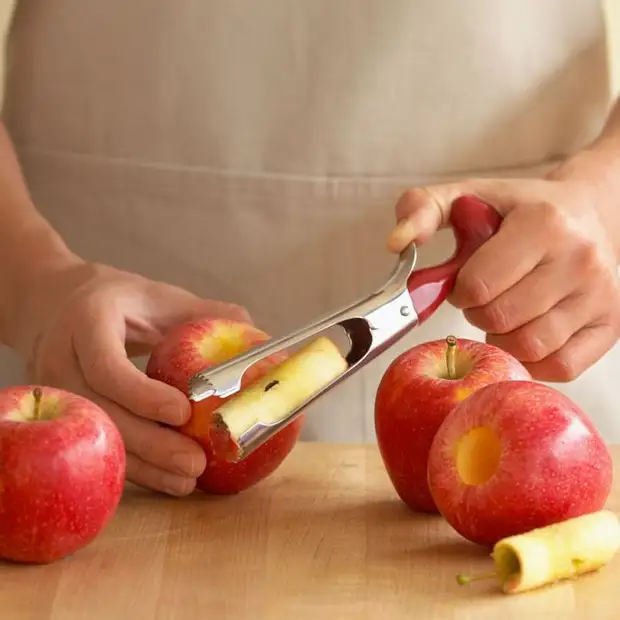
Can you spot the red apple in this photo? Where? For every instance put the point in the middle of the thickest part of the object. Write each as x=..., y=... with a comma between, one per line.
x=62, y=469
x=415, y=394
x=516, y=456
x=193, y=346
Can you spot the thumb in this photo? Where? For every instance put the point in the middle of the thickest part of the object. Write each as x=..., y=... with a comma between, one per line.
x=421, y=212
x=167, y=306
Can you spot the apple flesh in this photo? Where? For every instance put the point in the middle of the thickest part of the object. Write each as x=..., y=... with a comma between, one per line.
x=271, y=399
x=516, y=456
x=416, y=393
x=193, y=346
x=61, y=476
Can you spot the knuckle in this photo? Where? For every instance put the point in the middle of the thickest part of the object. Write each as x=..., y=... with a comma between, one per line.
x=551, y=218
x=475, y=289
x=497, y=319
x=240, y=313
x=144, y=446
x=532, y=347
x=414, y=195
x=491, y=318
x=409, y=201
x=565, y=368
x=588, y=256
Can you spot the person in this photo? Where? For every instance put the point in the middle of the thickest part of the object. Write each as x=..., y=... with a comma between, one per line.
x=161, y=161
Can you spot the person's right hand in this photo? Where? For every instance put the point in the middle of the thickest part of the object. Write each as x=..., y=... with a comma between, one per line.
x=78, y=329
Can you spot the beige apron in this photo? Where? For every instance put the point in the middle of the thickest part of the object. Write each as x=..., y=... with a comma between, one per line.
x=253, y=151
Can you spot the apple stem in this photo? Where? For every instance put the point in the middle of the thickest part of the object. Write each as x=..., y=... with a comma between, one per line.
x=464, y=579
x=38, y=395
x=451, y=357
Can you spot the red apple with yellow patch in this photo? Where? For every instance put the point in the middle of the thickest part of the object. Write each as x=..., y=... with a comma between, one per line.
x=516, y=456
x=195, y=346
x=416, y=393
x=62, y=471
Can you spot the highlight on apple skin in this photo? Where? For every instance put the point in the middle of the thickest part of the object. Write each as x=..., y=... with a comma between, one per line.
x=516, y=456
x=416, y=393
x=193, y=346
x=62, y=473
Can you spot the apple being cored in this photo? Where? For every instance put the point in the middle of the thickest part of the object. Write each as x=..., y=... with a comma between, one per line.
x=62, y=471
x=516, y=456
x=191, y=347
x=416, y=393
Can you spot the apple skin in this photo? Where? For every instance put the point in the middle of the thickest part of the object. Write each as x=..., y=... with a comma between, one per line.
x=61, y=479
x=551, y=463
x=413, y=399
x=194, y=346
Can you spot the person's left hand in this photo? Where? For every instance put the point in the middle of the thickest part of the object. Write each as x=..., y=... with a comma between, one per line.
x=545, y=288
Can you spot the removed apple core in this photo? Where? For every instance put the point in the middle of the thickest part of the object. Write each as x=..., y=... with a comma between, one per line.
x=276, y=395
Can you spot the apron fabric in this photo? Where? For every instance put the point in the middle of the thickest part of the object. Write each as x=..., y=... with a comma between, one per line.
x=253, y=152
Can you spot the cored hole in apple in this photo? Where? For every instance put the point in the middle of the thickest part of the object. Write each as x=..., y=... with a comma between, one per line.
x=478, y=455
x=223, y=445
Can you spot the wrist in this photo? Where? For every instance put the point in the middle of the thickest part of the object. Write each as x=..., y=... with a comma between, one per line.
x=595, y=171
x=25, y=266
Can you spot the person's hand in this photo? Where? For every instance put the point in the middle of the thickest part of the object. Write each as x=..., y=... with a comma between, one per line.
x=80, y=328
x=545, y=287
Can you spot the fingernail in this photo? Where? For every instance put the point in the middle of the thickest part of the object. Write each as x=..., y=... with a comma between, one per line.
x=183, y=462
x=172, y=414
x=401, y=235
x=173, y=485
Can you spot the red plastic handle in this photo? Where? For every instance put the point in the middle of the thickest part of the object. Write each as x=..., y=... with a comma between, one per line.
x=474, y=222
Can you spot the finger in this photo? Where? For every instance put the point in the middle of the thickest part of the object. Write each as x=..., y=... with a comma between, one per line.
x=578, y=354
x=151, y=314
x=531, y=297
x=165, y=448
x=99, y=343
x=502, y=261
x=548, y=333
x=165, y=306
x=421, y=212
x=137, y=349
x=151, y=477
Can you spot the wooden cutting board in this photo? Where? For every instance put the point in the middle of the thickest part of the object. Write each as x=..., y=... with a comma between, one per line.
x=325, y=538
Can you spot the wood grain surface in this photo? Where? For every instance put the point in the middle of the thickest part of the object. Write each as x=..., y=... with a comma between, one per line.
x=324, y=538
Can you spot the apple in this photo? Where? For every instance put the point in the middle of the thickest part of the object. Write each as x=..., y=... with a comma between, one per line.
x=62, y=471
x=193, y=346
x=416, y=393
x=516, y=456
